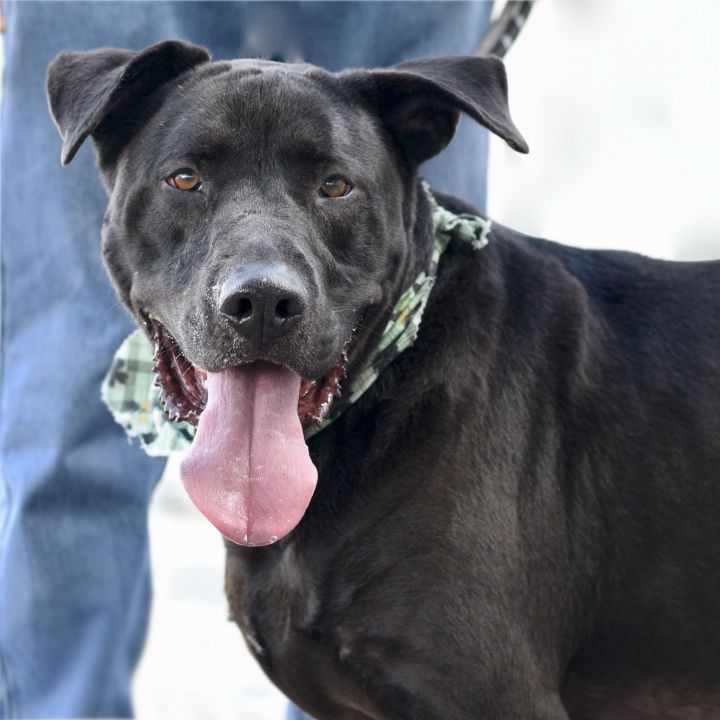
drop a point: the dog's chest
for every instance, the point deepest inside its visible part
(283, 611)
(323, 626)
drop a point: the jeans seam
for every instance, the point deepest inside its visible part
(5, 694)
(6, 700)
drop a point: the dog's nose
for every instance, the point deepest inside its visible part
(265, 300)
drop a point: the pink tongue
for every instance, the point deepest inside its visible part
(248, 470)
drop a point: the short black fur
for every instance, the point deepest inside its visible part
(519, 520)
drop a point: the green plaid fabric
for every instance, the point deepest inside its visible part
(130, 393)
(129, 388)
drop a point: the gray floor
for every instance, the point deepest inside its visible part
(195, 664)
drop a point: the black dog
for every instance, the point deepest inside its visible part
(520, 519)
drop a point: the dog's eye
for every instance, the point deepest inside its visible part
(184, 179)
(335, 186)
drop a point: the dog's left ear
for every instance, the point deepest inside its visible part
(420, 101)
(86, 88)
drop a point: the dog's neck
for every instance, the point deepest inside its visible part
(432, 229)
(421, 233)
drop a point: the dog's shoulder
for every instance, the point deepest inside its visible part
(619, 282)
(633, 315)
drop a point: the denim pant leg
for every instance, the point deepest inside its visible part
(74, 570)
(74, 580)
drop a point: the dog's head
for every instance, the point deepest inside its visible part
(260, 227)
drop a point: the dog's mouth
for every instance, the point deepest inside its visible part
(248, 470)
(183, 390)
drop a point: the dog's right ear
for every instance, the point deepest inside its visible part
(420, 101)
(88, 89)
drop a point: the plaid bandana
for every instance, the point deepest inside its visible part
(129, 388)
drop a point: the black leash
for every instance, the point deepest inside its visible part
(503, 32)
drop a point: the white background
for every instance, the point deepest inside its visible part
(619, 101)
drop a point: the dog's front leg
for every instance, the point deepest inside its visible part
(501, 686)
(552, 711)
(526, 708)
(518, 704)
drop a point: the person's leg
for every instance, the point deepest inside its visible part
(74, 573)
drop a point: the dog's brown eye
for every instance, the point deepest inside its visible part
(185, 179)
(335, 186)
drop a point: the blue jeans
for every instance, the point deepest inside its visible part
(74, 571)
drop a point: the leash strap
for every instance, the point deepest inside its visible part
(501, 35)
(129, 388)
